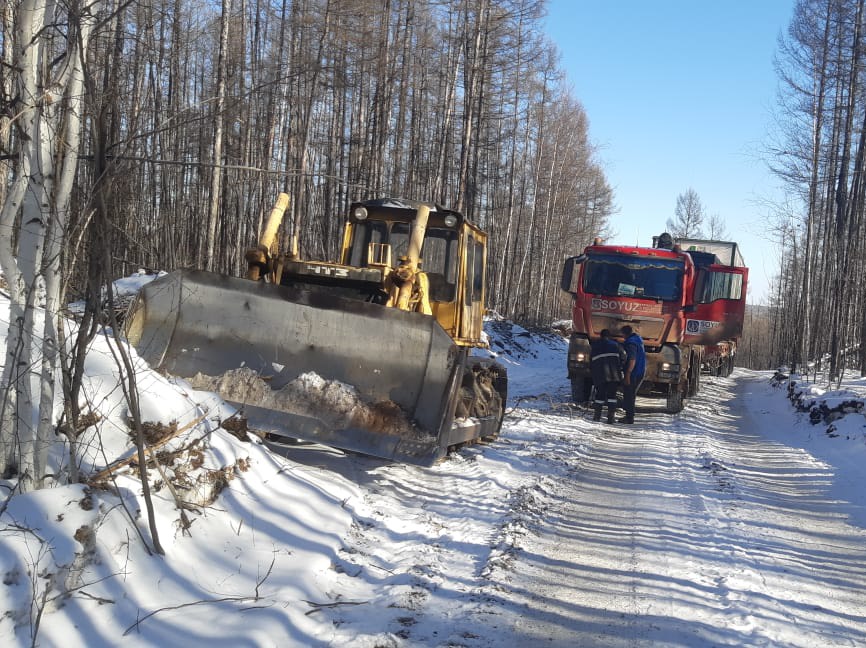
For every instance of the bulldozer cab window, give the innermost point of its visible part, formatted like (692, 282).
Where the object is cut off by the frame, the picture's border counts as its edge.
(399, 240)
(470, 269)
(438, 252)
(362, 235)
(478, 275)
(439, 262)
(475, 270)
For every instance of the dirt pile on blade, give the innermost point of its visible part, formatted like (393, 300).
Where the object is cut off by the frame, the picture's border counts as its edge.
(336, 404)
(239, 385)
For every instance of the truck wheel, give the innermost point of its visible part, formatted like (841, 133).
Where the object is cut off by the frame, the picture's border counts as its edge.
(675, 401)
(694, 380)
(581, 388)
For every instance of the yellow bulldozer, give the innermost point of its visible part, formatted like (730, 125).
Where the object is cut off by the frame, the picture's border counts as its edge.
(370, 354)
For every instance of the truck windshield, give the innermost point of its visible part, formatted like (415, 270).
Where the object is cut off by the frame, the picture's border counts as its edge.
(617, 275)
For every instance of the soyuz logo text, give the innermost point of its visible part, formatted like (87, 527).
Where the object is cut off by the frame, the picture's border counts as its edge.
(611, 305)
(699, 326)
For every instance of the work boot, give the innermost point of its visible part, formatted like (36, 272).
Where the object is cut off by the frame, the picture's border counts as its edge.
(597, 416)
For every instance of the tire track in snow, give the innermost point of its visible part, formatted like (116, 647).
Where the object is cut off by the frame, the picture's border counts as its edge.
(704, 471)
(691, 530)
(426, 543)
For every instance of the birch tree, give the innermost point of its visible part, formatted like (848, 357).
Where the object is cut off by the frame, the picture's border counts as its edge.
(49, 80)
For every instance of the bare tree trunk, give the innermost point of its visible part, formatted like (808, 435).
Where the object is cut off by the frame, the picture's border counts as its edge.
(802, 348)
(448, 107)
(219, 116)
(41, 195)
(69, 144)
(7, 28)
(472, 74)
(16, 424)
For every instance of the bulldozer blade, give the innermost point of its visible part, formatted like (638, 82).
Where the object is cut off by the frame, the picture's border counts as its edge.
(422, 451)
(191, 323)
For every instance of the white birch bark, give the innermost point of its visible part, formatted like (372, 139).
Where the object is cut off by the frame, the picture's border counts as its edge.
(72, 86)
(7, 15)
(40, 197)
(16, 412)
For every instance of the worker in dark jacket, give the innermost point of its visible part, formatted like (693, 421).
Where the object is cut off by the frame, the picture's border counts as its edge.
(635, 368)
(606, 366)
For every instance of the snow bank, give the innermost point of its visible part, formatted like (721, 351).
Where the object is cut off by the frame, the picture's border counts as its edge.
(535, 360)
(241, 529)
(841, 410)
(124, 291)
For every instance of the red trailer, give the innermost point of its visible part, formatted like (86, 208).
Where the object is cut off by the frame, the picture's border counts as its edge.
(719, 299)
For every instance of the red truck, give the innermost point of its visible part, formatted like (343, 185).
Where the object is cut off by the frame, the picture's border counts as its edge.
(686, 298)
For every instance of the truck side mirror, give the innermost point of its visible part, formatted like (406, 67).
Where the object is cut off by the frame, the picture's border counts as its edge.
(569, 273)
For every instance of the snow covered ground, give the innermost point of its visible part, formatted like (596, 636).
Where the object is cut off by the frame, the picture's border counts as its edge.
(738, 522)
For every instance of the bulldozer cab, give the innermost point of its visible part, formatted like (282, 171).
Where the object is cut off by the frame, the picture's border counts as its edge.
(453, 259)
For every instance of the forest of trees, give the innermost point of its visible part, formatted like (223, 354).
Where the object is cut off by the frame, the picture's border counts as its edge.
(158, 133)
(820, 299)
(196, 114)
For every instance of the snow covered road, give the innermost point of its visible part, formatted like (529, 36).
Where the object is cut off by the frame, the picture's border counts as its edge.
(700, 529)
(696, 531)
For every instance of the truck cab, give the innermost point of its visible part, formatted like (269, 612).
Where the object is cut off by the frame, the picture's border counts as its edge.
(647, 288)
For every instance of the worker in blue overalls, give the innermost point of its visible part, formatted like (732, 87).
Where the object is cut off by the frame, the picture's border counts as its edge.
(635, 368)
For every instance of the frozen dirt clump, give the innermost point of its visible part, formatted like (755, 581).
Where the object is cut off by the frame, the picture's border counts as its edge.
(240, 385)
(336, 404)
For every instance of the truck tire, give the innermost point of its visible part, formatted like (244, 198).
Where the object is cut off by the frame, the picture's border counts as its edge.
(694, 378)
(675, 401)
(581, 387)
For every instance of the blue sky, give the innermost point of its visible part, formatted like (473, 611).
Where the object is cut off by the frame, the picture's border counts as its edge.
(680, 94)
